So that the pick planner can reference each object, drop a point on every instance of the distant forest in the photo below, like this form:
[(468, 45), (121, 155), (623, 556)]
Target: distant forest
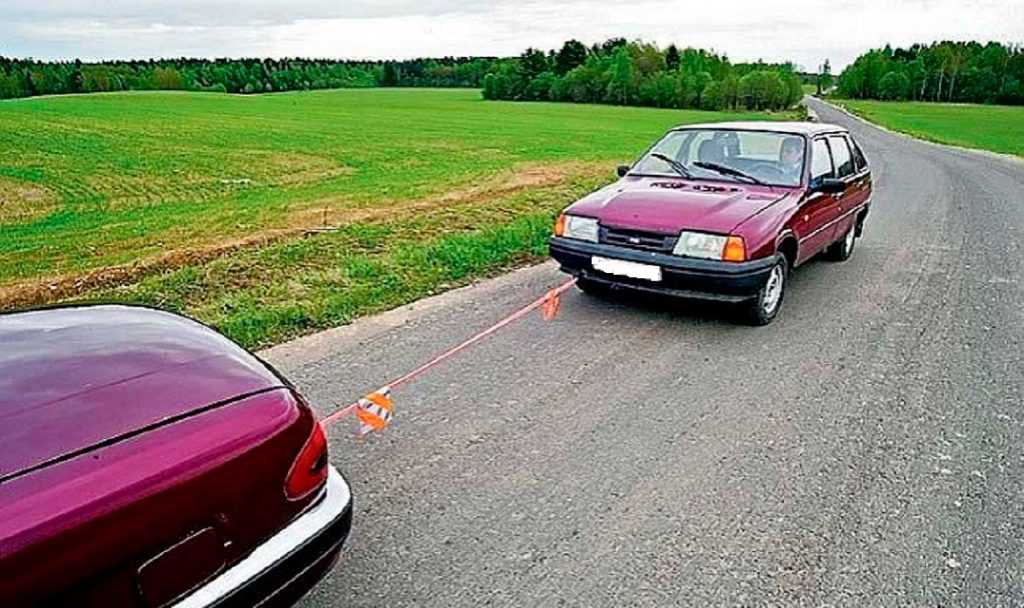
[(967, 72), (26, 78), (642, 74), (614, 72)]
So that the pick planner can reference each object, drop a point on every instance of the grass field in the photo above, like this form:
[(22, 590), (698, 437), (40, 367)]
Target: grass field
[(209, 204), (995, 128)]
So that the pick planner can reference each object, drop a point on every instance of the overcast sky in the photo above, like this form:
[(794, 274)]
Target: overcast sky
[(799, 30)]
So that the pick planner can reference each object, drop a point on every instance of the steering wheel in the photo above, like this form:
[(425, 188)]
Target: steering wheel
[(766, 170)]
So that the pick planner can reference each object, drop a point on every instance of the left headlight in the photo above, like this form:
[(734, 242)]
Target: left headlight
[(576, 227), (710, 246)]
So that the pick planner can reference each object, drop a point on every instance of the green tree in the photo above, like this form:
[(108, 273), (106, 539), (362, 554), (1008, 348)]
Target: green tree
[(167, 78), (391, 75), (571, 55), (533, 62), (824, 77), (620, 84), (672, 57), (894, 85)]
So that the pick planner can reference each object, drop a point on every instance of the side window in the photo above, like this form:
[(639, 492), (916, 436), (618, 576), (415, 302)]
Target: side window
[(859, 162), (841, 156), (821, 161)]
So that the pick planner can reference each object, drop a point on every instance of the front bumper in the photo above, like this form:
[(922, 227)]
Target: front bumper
[(287, 564), (682, 277)]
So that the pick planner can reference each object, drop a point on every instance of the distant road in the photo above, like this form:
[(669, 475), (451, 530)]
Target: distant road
[(865, 449)]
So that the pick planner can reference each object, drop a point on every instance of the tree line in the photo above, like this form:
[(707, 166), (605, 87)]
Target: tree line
[(26, 77), (639, 73), (967, 72), (614, 72)]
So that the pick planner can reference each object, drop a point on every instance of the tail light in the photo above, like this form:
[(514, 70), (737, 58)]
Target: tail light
[(310, 469)]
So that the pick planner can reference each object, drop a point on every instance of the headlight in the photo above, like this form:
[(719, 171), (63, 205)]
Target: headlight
[(582, 228), (710, 246)]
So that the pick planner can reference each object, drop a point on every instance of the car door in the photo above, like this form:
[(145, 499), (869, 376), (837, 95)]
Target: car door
[(860, 182), (815, 220), (854, 195)]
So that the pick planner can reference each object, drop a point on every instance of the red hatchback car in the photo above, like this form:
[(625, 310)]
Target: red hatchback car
[(149, 461), (722, 212)]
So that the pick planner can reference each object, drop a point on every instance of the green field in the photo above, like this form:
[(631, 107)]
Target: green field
[(988, 127), (209, 204)]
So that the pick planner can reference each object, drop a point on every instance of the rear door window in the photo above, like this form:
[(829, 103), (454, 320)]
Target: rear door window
[(821, 161), (841, 156), (859, 161)]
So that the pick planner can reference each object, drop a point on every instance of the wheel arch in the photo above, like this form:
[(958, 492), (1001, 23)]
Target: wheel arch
[(788, 245)]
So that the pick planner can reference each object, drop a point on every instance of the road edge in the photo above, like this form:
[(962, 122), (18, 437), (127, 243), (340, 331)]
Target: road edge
[(321, 344)]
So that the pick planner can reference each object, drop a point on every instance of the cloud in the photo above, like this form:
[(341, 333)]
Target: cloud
[(805, 31)]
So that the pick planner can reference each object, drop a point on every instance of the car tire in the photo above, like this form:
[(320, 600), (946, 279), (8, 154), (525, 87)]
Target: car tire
[(841, 250), (766, 305)]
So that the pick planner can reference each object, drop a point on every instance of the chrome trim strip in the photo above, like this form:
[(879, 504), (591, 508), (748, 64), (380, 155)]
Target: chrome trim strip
[(841, 217), (336, 499)]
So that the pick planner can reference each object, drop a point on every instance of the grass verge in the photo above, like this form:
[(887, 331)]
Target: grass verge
[(985, 127), (264, 296)]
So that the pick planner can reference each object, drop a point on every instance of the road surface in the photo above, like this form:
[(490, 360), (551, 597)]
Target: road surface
[(865, 449)]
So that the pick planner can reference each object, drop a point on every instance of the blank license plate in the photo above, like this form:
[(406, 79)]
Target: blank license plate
[(623, 268)]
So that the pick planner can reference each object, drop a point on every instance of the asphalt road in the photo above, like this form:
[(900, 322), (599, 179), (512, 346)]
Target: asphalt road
[(865, 449)]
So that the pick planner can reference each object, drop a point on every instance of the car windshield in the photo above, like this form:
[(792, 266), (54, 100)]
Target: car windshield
[(735, 155)]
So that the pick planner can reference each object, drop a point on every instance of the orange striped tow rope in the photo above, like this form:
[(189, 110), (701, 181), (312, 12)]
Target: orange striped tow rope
[(374, 411)]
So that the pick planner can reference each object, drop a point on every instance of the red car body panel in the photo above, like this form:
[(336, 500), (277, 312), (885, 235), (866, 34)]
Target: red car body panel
[(134, 441), (668, 205)]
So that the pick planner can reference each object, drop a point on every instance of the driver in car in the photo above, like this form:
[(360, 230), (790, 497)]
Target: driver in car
[(791, 157)]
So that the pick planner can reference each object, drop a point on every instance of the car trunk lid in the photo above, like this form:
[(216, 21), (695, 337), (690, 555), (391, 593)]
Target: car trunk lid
[(143, 520), (73, 379)]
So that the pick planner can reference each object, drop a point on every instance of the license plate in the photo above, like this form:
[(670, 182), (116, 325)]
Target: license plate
[(623, 268)]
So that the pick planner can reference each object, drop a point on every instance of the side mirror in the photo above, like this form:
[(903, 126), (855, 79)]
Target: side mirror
[(622, 170), (829, 185)]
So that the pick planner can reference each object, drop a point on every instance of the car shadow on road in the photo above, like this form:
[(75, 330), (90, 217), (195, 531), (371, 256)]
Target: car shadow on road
[(697, 311), (704, 311)]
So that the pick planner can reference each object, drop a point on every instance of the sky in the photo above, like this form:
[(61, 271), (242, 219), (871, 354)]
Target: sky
[(803, 31)]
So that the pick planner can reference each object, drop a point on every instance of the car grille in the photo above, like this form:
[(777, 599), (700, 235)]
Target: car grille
[(637, 239)]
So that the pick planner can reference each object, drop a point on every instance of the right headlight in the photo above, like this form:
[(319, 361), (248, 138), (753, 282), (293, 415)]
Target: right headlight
[(710, 246), (576, 227)]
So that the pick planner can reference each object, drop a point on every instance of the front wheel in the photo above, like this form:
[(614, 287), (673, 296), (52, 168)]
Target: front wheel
[(763, 309)]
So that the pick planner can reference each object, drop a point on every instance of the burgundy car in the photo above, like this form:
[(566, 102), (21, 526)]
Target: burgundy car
[(148, 461), (721, 212)]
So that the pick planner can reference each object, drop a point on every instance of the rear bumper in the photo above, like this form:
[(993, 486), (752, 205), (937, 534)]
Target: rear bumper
[(682, 277), (289, 563)]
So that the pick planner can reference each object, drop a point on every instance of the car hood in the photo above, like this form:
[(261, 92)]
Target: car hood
[(668, 206), (72, 378)]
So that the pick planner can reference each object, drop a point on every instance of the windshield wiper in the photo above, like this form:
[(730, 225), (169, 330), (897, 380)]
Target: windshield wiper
[(677, 166), (728, 171)]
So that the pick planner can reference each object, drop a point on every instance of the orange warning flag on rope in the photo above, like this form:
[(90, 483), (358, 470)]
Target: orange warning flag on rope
[(549, 309), (374, 411)]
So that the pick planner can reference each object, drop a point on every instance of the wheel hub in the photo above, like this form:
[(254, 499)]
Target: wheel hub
[(773, 289)]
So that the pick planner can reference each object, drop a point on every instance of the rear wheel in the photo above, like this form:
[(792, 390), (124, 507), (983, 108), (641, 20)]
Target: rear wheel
[(763, 309), (842, 250)]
